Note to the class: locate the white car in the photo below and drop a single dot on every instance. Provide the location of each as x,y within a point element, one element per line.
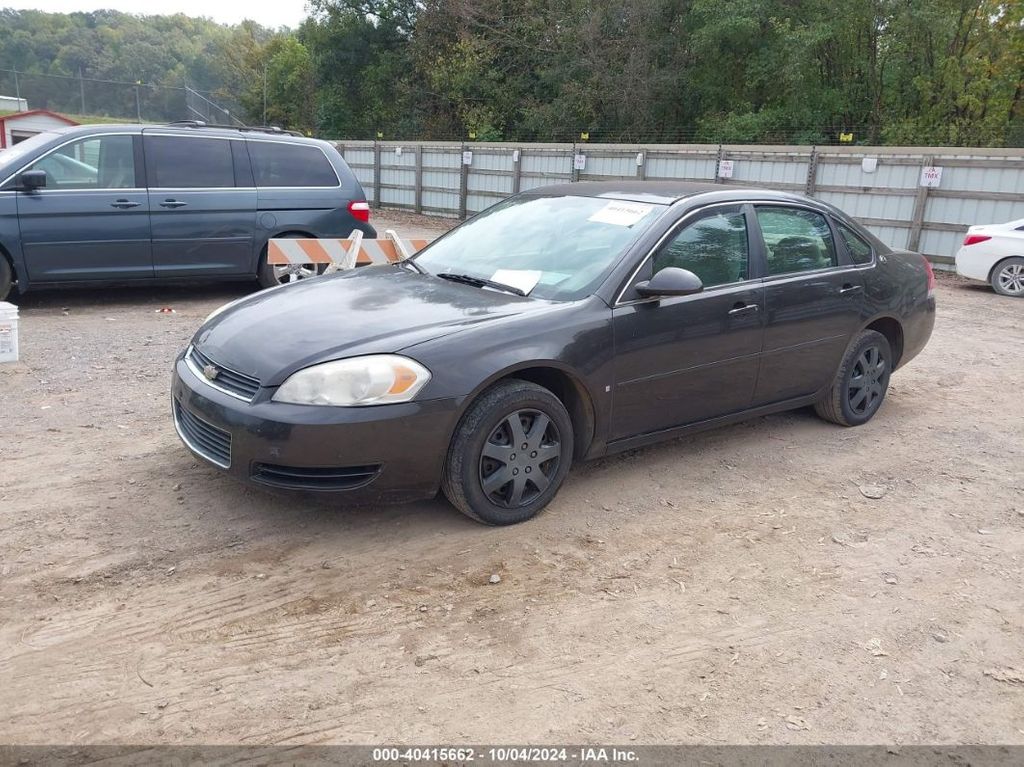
<point>994,253</point>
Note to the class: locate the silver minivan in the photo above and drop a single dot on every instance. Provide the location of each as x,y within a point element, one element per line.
<point>133,203</point>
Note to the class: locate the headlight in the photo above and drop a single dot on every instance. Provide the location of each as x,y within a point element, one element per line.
<point>377,380</point>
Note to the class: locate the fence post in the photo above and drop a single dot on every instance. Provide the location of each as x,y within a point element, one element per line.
<point>418,201</point>
<point>376,173</point>
<point>812,173</point>
<point>463,184</point>
<point>920,201</point>
<point>17,89</point>
<point>718,164</point>
<point>641,164</point>
<point>574,174</point>
<point>517,170</point>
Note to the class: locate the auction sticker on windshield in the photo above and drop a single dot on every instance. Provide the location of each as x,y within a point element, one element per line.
<point>620,213</point>
<point>524,279</point>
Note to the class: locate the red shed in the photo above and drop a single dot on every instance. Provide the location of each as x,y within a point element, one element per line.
<point>21,125</point>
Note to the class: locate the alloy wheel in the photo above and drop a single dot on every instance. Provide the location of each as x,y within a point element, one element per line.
<point>520,458</point>
<point>294,272</point>
<point>867,381</point>
<point>1011,279</point>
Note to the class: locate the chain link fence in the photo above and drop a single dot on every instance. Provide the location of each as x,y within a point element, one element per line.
<point>115,100</point>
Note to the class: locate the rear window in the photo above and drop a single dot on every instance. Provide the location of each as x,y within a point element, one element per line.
<point>189,163</point>
<point>280,164</point>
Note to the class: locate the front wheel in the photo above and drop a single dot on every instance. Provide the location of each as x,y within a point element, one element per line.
<point>510,454</point>
<point>860,383</point>
<point>6,278</point>
<point>1008,277</point>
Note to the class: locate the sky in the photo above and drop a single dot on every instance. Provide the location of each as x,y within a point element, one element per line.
<point>275,13</point>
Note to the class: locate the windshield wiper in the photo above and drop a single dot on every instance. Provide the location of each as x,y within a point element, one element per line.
<point>411,262</point>
<point>480,282</point>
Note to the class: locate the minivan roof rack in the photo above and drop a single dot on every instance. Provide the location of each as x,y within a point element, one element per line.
<point>243,128</point>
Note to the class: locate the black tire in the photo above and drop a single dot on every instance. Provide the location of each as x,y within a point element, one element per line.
<point>267,276</point>
<point>1008,277</point>
<point>6,278</point>
<point>860,383</point>
<point>472,480</point>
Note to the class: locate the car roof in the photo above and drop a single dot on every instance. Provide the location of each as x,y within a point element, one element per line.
<point>185,130</point>
<point>660,192</point>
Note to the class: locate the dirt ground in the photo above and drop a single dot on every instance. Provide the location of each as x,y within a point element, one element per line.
<point>735,586</point>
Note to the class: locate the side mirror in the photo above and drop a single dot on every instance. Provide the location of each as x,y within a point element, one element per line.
<point>31,180</point>
<point>671,281</point>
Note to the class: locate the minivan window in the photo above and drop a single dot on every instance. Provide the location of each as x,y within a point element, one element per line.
<point>796,240</point>
<point>184,162</point>
<point>280,164</point>
<point>97,162</point>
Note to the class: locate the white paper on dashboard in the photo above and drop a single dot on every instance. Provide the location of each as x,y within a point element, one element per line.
<point>524,279</point>
<point>620,213</point>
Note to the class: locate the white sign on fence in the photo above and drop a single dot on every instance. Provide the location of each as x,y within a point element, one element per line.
<point>467,158</point>
<point>725,168</point>
<point>579,162</point>
<point>931,176</point>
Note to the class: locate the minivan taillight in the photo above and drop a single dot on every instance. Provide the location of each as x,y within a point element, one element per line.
<point>360,210</point>
<point>974,239</point>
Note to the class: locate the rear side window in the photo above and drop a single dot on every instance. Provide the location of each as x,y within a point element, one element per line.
<point>860,251</point>
<point>280,164</point>
<point>183,162</point>
<point>796,240</point>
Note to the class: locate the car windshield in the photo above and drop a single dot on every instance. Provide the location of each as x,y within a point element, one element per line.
<point>557,248</point>
<point>9,158</point>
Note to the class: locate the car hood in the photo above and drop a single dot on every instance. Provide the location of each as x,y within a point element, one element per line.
<point>371,310</point>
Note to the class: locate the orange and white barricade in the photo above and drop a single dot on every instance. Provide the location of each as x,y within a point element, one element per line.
<point>344,254</point>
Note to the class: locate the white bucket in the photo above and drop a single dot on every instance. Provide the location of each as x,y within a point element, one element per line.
<point>8,332</point>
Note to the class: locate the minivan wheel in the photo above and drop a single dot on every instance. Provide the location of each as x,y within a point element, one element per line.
<point>270,276</point>
<point>1008,277</point>
<point>510,454</point>
<point>860,383</point>
<point>6,278</point>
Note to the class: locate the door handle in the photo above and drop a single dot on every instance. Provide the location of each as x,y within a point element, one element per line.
<point>743,309</point>
<point>173,204</point>
<point>124,204</point>
<point>849,289</point>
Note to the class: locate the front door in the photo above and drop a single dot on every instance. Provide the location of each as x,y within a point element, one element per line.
<point>814,303</point>
<point>203,222</point>
<point>91,221</point>
<point>685,359</point>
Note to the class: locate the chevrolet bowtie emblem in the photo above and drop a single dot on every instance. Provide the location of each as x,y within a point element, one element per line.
<point>210,372</point>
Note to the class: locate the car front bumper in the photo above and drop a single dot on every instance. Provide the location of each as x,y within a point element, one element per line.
<point>380,454</point>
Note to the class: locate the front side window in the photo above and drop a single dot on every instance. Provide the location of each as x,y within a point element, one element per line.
<point>100,162</point>
<point>280,164</point>
<point>559,248</point>
<point>713,247</point>
<point>859,250</point>
<point>796,240</point>
<point>189,163</point>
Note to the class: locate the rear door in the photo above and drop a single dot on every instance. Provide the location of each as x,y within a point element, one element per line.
<point>679,360</point>
<point>91,221</point>
<point>814,300</point>
<point>203,215</point>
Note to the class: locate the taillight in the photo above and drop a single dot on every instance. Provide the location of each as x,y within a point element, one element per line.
<point>974,239</point>
<point>360,210</point>
<point>930,271</point>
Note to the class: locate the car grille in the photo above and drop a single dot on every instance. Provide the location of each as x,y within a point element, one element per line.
<point>203,438</point>
<point>237,384</point>
<point>293,478</point>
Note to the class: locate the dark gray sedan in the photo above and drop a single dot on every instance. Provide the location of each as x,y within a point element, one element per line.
<point>563,324</point>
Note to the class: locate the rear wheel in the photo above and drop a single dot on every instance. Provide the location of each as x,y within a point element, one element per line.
<point>860,383</point>
<point>510,454</point>
<point>6,278</point>
<point>1008,277</point>
<point>270,275</point>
